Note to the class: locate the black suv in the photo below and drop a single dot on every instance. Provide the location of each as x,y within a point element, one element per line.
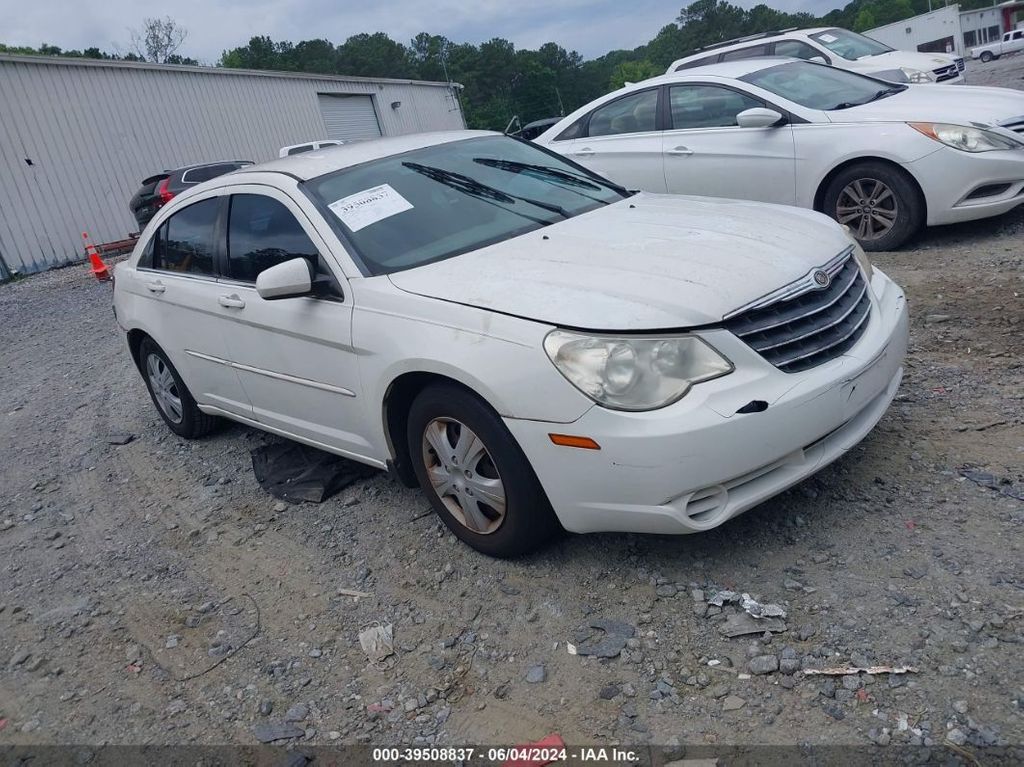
<point>159,189</point>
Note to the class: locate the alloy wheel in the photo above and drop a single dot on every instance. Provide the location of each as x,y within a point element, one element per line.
<point>868,207</point>
<point>464,475</point>
<point>165,388</point>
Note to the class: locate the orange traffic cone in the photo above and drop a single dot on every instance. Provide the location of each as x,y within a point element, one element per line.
<point>99,269</point>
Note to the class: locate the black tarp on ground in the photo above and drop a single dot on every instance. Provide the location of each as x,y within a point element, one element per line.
<point>296,473</point>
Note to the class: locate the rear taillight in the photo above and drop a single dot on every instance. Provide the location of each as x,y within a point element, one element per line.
<point>163,192</point>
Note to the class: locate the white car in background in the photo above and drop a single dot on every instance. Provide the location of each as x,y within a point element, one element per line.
<point>309,146</point>
<point>1012,42</point>
<point>533,345</point>
<point>882,158</point>
<point>841,48</point>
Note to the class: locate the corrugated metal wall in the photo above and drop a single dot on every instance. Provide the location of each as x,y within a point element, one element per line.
<point>77,137</point>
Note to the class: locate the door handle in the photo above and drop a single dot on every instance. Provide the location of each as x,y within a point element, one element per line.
<point>585,152</point>
<point>231,302</point>
<point>156,287</point>
<point>681,151</point>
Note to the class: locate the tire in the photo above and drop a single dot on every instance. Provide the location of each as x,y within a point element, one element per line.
<point>495,468</point>
<point>870,196</point>
<point>986,57</point>
<point>173,400</point>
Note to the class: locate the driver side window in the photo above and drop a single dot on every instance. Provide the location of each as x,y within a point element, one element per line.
<point>263,233</point>
<point>707,106</point>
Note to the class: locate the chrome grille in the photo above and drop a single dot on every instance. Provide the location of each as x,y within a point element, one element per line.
<point>802,332</point>
<point>946,73</point>
<point>1016,124</point>
<point>960,66</point>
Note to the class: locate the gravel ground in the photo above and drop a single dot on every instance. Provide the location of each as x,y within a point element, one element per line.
<point>1004,72</point>
<point>153,594</point>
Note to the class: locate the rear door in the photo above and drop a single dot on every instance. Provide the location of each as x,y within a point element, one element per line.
<point>707,153</point>
<point>294,356</point>
<point>621,140</point>
<point>179,303</point>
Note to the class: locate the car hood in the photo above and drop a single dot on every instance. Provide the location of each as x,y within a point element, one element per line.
<point>939,103</point>
<point>884,62</point>
<point>649,262</point>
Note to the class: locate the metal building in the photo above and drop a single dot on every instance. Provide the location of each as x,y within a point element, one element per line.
<point>950,30</point>
<point>77,136</point>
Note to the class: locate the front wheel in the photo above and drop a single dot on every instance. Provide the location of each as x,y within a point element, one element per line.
<point>476,476</point>
<point>880,203</point>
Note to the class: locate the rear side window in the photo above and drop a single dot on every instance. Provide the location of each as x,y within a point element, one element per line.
<point>797,50</point>
<point>186,242</point>
<point>698,63</point>
<point>263,233</point>
<point>636,113</point>
<point>746,53</point>
<point>573,131</point>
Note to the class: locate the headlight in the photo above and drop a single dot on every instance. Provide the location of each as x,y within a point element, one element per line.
<point>858,253</point>
<point>863,261</point>
<point>966,138</point>
<point>634,373</point>
<point>918,75</point>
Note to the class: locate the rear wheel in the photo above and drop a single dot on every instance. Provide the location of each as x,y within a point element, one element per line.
<point>172,398</point>
<point>476,476</point>
<point>986,57</point>
<point>880,203</point>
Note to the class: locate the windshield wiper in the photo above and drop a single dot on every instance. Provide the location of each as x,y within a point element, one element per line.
<point>552,174</point>
<point>885,92</point>
<point>471,186</point>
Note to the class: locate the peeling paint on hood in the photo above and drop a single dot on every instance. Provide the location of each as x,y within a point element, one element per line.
<point>649,262</point>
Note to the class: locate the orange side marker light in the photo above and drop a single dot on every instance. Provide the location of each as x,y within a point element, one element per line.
<point>569,440</point>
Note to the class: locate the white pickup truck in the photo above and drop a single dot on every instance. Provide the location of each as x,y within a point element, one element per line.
<point>1012,42</point>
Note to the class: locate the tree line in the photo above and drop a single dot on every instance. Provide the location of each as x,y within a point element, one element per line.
<point>501,81</point>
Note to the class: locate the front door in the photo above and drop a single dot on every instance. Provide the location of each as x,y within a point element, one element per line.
<point>294,356</point>
<point>707,153</point>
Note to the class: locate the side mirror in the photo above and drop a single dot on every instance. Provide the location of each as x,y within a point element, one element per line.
<point>758,117</point>
<point>818,59</point>
<point>287,280</point>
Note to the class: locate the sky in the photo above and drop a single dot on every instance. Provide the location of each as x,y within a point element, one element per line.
<point>591,27</point>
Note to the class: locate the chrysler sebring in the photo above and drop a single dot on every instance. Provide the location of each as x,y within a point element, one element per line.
<point>883,158</point>
<point>533,345</point>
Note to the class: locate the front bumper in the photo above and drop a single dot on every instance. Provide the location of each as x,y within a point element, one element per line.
<point>950,177</point>
<point>697,463</point>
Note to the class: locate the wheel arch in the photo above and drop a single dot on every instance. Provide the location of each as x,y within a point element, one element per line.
<point>135,338</point>
<point>395,405</point>
<point>819,194</point>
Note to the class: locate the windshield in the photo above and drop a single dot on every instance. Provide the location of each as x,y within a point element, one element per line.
<point>434,203</point>
<point>850,45</point>
<point>817,86</point>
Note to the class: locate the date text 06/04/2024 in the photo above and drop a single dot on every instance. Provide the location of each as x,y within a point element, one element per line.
<point>513,754</point>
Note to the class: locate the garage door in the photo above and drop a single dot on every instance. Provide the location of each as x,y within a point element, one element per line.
<point>349,117</point>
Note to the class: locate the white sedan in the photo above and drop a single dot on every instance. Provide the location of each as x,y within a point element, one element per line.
<point>884,159</point>
<point>533,345</point>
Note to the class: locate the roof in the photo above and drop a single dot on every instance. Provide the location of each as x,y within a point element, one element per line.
<point>732,69</point>
<point>740,42</point>
<point>72,61</point>
<point>329,159</point>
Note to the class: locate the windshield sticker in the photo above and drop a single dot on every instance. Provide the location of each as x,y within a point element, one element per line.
<point>361,209</point>
<point>826,38</point>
